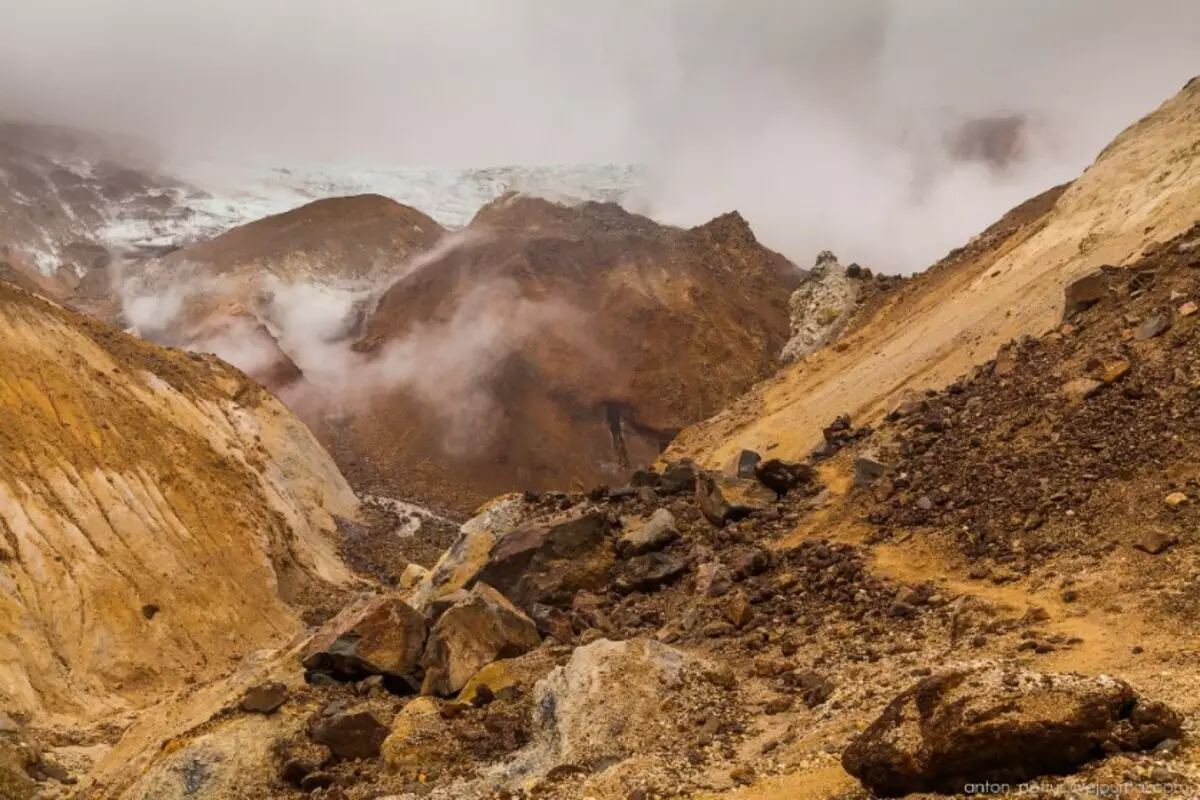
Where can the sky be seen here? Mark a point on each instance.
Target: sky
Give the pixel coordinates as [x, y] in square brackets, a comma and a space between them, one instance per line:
[824, 122]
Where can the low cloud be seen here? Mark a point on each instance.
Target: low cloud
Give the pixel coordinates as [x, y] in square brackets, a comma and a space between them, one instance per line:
[830, 124]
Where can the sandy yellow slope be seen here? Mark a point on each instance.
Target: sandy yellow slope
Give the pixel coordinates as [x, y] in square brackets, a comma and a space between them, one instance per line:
[157, 513]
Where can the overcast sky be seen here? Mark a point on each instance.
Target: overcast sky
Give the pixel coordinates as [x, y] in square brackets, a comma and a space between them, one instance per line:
[822, 121]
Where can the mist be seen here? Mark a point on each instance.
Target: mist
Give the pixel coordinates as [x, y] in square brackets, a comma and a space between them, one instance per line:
[829, 125]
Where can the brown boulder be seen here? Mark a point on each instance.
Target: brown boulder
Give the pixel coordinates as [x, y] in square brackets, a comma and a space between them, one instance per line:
[1000, 725]
[549, 562]
[1084, 292]
[376, 636]
[266, 698]
[722, 500]
[475, 632]
[649, 572]
[349, 734]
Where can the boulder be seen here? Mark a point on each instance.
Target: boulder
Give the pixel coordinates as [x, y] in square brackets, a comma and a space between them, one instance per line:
[419, 737]
[648, 572]
[607, 701]
[266, 698]
[459, 565]
[867, 470]
[480, 629]
[1084, 292]
[746, 463]
[1155, 326]
[782, 477]
[722, 500]
[679, 476]
[645, 535]
[349, 734]
[549, 562]
[381, 636]
[997, 724]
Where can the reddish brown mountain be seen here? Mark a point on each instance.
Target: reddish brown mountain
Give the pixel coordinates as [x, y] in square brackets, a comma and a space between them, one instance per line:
[544, 346]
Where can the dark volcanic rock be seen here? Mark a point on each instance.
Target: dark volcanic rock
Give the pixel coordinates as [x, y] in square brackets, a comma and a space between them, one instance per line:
[1000, 725]
[648, 572]
[549, 562]
[747, 462]
[783, 476]
[349, 734]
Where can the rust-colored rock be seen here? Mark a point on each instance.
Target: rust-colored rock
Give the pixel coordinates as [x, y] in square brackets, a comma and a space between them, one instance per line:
[376, 636]
[481, 629]
[552, 561]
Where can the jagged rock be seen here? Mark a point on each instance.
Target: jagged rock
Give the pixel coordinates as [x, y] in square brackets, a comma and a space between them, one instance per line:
[746, 463]
[419, 737]
[711, 501]
[648, 572]
[820, 308]
[731, 499]
[411, 577]
[460, 564]
[782, 477]
[679, 476]
[867, 470]
[738, 610]
[1000, 724]
[551, 621]
[266, 698]
[550, 562]
[1155, 326]
[1084, 292]
[349, 734]
[473, 633]
[644, 535]
[713, 580]
[377, 636]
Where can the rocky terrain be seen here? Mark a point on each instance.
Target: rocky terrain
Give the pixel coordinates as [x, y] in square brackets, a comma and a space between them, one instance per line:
[948, 551]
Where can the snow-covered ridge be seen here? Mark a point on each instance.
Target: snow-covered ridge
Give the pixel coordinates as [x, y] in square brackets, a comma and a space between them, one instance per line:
[227, 197]
[59, 191]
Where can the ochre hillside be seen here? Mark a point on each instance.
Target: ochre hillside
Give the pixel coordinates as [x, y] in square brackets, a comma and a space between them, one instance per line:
[160, 514]
[1143, 189]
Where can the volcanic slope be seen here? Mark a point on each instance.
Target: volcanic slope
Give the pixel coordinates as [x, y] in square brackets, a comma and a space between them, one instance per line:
[1143, 189]
[160, 515]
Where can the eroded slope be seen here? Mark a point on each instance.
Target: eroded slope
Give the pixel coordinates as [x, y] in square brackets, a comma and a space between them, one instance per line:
[1143, 189]
[158, 513]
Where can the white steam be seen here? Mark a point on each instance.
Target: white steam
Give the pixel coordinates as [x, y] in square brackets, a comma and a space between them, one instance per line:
[266, 325]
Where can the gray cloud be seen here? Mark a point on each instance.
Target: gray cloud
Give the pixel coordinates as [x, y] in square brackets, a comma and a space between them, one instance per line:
[823, 122]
